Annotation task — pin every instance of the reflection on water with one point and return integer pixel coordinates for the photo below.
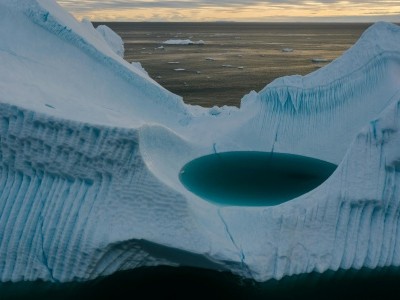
(250, 178)
(175, 283)
(256, 47)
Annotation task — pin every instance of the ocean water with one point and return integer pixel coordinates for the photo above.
(212, 76)
(235, 58)
(251, 178)
(194, 283)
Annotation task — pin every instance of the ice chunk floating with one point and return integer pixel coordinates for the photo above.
(250, 178)
(183, 42)
(91, 150)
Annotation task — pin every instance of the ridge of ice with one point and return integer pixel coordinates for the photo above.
(139, 67)
(91, 148)
(113, 40)
(48, 15)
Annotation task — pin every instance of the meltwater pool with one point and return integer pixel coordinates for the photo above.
(251, 178)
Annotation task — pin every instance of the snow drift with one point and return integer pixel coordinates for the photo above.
(91, 148)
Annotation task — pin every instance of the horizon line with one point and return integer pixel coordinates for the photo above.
(267, 22)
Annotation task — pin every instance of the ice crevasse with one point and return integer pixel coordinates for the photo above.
(91, 149)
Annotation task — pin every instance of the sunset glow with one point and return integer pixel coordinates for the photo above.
(239, 10)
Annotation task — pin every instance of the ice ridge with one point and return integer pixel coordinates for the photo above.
(47, 14)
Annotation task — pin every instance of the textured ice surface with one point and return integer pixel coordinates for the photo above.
(91, 148)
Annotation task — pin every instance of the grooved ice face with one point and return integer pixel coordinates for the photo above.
(252, 178)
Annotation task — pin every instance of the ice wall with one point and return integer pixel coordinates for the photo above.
(333, 103)
(91, 149)
(77, 201)
(350, 221)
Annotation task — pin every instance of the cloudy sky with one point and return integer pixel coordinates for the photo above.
(235, 10)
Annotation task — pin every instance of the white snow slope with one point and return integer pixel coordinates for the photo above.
(91, 148)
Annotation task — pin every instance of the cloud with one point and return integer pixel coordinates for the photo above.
(120, 9)
(126, 4)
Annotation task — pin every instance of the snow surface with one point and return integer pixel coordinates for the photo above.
(91, 149)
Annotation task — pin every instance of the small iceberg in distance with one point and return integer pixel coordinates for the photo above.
(319, 60)
(183, 42)
(249, 178)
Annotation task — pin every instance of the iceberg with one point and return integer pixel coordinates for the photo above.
(113, 40)
(183, 42)
(319, 60)
(91, 149)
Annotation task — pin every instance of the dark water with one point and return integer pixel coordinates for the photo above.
(194, 283)
(249, 178)
(246, 56)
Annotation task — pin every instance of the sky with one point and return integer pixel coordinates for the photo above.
(235, 10)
